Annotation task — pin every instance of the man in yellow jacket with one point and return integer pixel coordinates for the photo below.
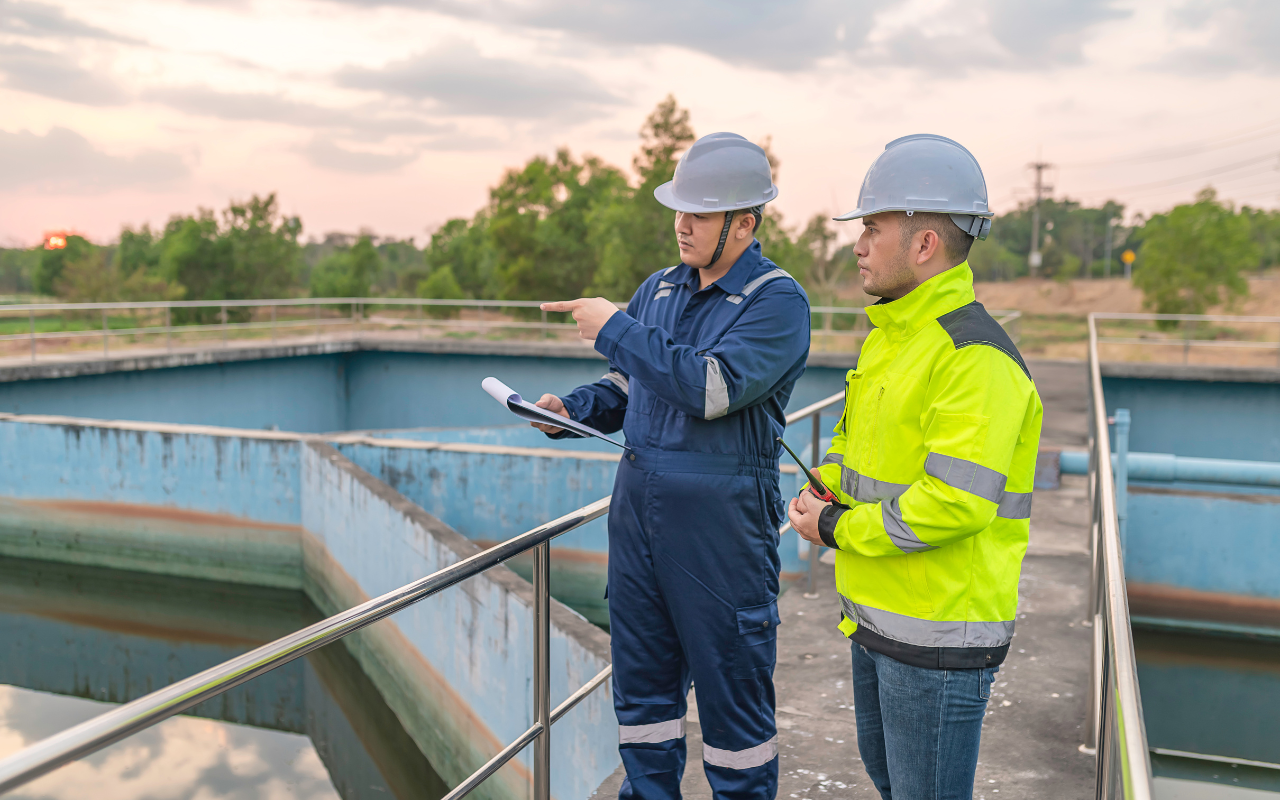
(932, 464)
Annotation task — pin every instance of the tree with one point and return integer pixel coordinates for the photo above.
(347, 273)
(137, 250)
(96, 278)
(252, 254)
(634, 235)
(538, 225)
(1192, 257)
(52, 262)
(1264, 226)
(195, 256)
(464, 247)
(827, 263)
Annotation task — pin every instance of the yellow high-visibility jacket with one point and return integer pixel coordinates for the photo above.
(935, 459)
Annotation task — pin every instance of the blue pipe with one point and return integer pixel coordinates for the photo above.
(1170, 468)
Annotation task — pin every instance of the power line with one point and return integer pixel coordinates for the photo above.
(1191, 149)
(1194, 176)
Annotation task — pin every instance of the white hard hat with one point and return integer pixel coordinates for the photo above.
(720, 172)
(924, 172)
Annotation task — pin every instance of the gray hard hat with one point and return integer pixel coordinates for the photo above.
(924, 172)
(720, 172)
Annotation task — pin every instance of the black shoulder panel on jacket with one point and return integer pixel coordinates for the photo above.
(971, 324)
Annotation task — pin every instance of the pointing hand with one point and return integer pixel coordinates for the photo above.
(591, 313)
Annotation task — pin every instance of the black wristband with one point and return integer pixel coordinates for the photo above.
(827, 524)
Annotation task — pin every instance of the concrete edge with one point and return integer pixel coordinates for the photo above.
(185, 357)
(573, 624)
(1189, 372)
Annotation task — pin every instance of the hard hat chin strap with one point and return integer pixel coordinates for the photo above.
(756, 211)
(724, 237)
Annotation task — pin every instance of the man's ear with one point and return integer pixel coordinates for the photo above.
(746, 226)
(929, 244)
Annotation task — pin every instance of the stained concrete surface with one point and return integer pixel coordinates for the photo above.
(1037, 714)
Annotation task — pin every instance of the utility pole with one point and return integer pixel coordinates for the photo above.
(1034, 259)
(1111, 222)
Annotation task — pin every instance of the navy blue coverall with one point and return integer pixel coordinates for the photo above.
(698, 381)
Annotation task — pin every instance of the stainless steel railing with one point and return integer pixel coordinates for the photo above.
(814, 413)
(331, 314)
(1118, 734)
(81, 740)
(1189, 325)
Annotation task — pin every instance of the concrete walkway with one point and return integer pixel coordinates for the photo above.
(1036, 718)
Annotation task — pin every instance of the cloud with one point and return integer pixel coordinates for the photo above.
(255, 107)
(955, 36)
(52, 75)
(802, 34)
(461, 81)
(24, 18)
(1238, 36)
(328, 154)
(64, 161)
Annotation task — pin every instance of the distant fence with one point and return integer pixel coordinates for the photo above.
(37, 329)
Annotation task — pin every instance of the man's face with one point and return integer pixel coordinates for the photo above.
(698, 235)
(882, 257)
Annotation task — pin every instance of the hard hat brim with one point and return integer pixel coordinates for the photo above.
(665, 194)
(858, 213)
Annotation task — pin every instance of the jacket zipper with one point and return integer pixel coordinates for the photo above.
(874, 444)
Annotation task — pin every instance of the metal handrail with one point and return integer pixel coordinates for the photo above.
(358, 307)
(1118, 732)
(106, 729)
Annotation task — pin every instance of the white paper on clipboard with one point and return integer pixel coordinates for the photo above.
(525, 410)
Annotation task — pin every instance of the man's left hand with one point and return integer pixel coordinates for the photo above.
(591, 313)
(803, 513)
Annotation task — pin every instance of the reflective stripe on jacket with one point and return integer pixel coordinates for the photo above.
(935, 457)
(701, 377)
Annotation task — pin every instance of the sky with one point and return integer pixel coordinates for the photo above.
(395, 116)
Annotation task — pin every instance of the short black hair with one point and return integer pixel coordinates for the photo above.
(955, 242)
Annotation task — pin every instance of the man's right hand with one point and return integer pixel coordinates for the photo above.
(555, 405)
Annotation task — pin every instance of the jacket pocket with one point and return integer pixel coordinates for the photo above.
(757, 639)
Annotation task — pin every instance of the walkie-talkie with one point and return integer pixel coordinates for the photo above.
(816, 485)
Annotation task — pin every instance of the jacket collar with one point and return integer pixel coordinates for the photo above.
(733, 280)
(941, 294)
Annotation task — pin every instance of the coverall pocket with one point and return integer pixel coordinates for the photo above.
(757, 639)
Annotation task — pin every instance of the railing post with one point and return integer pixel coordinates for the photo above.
(317, 308)
(1122, 473)
(168, 328)
(542, 670)
(31, 316)
(815, 459)
(546, 332)
(106, 348)
(224, 326)
(273, 323)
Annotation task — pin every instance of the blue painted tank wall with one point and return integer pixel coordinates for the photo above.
(363, 390)
(1207, 541)
(1199, 418)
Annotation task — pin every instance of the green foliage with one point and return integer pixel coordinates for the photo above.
(1192, 257)
(538, 225)
(464, 248)
(252, 254)
(442, 285)
(634, 235)
(137, 250)
(347, 273)
(992, 261)
(1264, 228)
(1072, 242)
(52, 262)
(17, 267)
(96, 277)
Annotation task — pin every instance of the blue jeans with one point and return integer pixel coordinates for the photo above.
(918, 729)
